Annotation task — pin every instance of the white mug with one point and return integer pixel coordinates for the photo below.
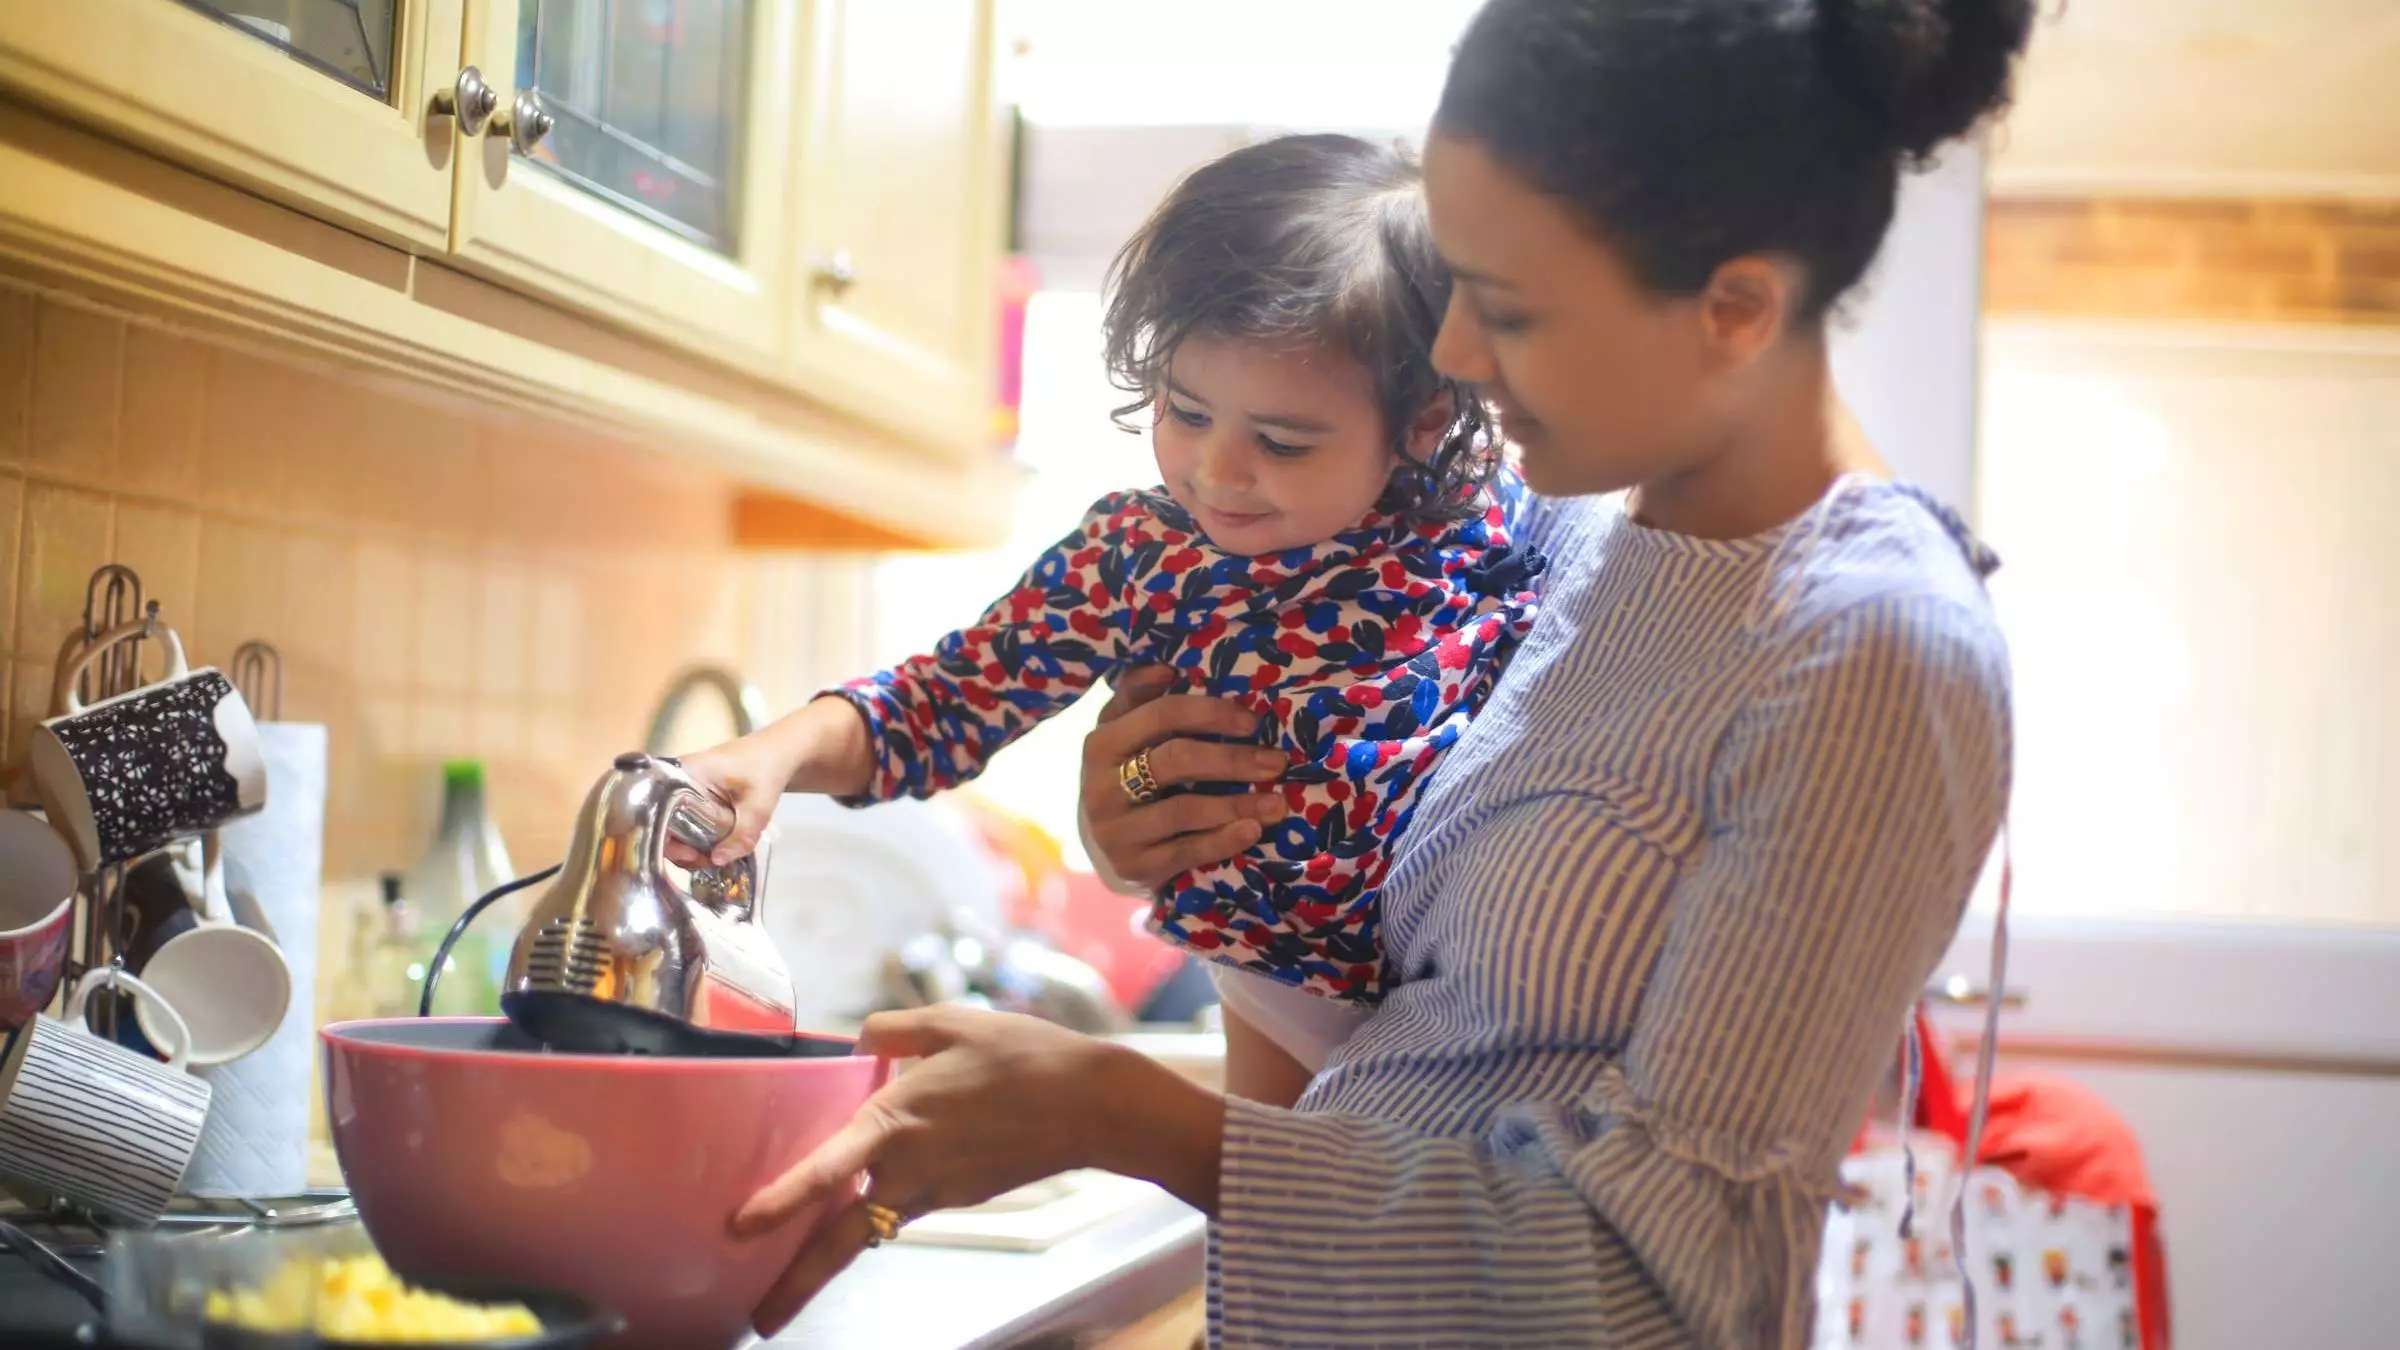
(222, 978)
(106, 1127)
(132, 773)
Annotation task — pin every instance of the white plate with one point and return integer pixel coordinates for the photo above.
(846, 887)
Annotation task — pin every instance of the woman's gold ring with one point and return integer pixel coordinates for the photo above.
(1141, 786)
(886, 1222)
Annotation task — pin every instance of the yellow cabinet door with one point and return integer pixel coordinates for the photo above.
(902, 184)
(325, 105)
(639, 167)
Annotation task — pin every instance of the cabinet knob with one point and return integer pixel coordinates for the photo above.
(524, 122)
(838, 272)
(470, 102)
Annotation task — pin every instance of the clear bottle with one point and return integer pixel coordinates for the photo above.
(466, 861)
(392, 964)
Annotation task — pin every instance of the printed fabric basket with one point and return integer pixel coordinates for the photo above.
(2044, 1268)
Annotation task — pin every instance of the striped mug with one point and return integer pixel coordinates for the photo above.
(106, 1127)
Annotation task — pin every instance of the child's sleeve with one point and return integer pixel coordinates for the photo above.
(936, 720)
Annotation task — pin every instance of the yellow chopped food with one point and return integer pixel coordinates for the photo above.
(358, 1298)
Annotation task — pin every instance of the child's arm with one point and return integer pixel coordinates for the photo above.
(1256, 1068)
(934, 721)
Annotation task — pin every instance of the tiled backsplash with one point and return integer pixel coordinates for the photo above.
(442, 580)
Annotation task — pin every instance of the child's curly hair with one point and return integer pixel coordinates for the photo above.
(1318, 238)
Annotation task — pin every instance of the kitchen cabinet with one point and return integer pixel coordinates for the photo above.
(767, 230)
(314, 102)
(902, 169)
(805, 191)
(637, 163)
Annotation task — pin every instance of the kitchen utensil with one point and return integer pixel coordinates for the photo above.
(111, 600)
(619, 954)
(257, 671)
(37, 915)
(256, 1143)
(131, 773)
(470, 1150)
(101, 1125)
(851, 886)
(158, 1285)
(230, 981)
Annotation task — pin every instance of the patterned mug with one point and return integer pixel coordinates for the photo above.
(108, 1128)
(163, 762)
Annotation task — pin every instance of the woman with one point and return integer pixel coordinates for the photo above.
(1664, 910)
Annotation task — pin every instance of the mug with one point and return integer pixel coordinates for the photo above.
(94, 1122)
(37, 915)
(223, 979)
(128, 774)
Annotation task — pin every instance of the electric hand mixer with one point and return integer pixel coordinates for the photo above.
(619, 957)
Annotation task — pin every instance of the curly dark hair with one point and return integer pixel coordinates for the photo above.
(1691, 132)
(1317, 238)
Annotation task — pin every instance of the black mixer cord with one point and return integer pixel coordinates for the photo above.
(441, 954)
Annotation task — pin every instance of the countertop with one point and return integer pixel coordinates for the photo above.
(908, 1297)
(901, 1297)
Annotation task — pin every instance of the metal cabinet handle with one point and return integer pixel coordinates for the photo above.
(1959, 991)
(838, 273)
(524, 122)
(470, 102)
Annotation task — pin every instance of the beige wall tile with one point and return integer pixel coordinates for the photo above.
(241, 588)
(17, 323)
(504, 646)
(28, 703)
(66, 540)
(12, 540)
(71, 429)
(320, 588)
(245, 439)
(383, 616)
(166, 388)
(163, 544)
(441, 726)
(441, 580)
(444, 645)
(496, 731)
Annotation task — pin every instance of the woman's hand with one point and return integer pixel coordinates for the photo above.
(995, 1102)
(1145, 845)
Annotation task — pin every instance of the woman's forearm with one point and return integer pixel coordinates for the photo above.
(1160, 1127)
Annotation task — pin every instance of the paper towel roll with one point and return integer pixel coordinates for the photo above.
(256, 1143)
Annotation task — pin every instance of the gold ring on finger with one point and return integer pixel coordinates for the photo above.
(885, 1221)
(1141, 786)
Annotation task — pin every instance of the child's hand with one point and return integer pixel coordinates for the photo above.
(820, 747)
(751, 773)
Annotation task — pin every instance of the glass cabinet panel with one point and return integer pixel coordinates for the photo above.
(649, 98)
(350, 40)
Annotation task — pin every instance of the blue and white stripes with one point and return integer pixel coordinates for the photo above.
(1659, 922)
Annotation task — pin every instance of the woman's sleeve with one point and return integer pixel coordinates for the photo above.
(1681, 1200)
(936, 720)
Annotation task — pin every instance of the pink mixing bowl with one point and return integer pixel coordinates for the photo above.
(611, 1177)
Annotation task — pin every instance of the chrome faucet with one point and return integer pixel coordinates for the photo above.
(742, 699)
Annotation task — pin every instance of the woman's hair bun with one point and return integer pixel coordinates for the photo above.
(1931, 69)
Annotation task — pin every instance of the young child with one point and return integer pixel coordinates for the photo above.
(1328, 546)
